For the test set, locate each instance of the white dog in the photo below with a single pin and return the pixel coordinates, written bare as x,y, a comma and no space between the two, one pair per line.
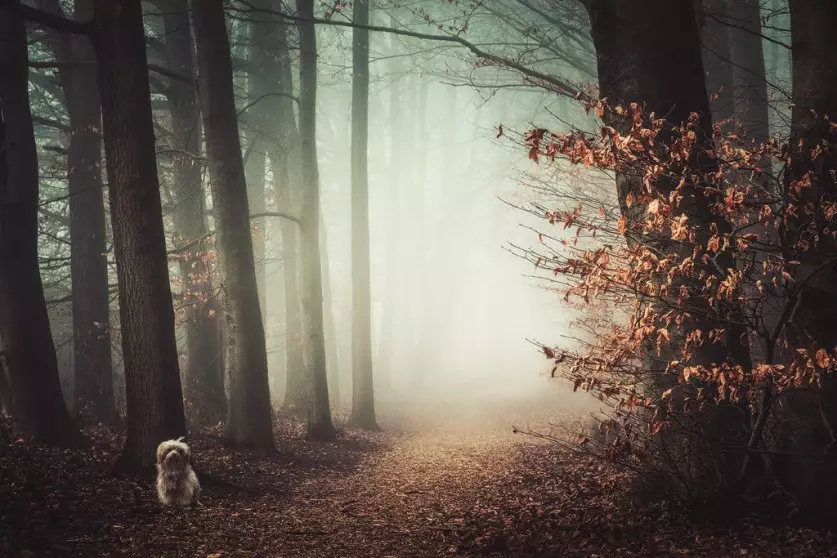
177,483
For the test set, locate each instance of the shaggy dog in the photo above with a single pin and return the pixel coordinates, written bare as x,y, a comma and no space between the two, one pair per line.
177,483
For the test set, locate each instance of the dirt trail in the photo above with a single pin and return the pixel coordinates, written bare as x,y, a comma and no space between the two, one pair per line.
410,499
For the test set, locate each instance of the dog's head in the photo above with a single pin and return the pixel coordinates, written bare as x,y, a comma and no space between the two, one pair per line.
174,453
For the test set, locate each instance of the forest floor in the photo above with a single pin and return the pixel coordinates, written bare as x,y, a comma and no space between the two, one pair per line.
432,486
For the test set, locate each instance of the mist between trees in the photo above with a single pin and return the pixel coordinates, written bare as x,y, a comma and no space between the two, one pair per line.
216,210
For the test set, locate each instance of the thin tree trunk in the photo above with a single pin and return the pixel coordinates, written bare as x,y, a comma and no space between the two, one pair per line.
320,426
249,422
152,376
329,329
92,363
384,359
285,161
25,334
363,399
296,398
206,402
262,118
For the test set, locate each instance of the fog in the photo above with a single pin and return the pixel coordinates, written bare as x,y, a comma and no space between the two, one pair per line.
454,311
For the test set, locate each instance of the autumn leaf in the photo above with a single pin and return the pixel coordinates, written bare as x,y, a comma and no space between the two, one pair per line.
622,224
548,352
630,199
714,244
823,360
499,131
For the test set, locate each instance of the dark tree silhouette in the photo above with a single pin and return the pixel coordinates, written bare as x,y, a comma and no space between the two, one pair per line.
363,401
249,417
152,376
320,426
92,363
206,402
815,318
25,336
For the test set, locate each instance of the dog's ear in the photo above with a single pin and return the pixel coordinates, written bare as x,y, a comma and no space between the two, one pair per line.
161,452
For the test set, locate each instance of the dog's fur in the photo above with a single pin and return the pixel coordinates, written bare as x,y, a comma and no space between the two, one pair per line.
177,483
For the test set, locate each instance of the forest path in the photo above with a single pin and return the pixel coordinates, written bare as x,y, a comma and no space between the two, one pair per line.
414,498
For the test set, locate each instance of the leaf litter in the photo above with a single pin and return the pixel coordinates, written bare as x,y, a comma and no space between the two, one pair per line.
434,487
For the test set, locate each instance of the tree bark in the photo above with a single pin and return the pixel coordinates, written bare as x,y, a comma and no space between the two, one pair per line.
363,399
262,117
285,161
384,361
249,422
152,376
92,363
814,142
748,70
206,401
329,328
715,53
25,336
320,426
649,52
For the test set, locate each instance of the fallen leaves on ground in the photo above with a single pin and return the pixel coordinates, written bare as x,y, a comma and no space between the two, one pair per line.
435,488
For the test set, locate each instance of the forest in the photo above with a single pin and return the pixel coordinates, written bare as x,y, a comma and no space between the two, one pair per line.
418,278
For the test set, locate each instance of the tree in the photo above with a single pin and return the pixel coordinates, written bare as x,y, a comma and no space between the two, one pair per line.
152,376
363,400
808,232
206,402
25,336
320,426
329,332
249,422
748,68
262,115
92,364
649,53
715,42
274,119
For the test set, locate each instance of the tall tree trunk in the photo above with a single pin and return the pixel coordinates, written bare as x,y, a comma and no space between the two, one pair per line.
329,328
715,51
385,357
320,426
648,51
296,398
815,142
262,124
363,398
747,56
249,422
25,336
92,363
285,162
149,349
206,402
